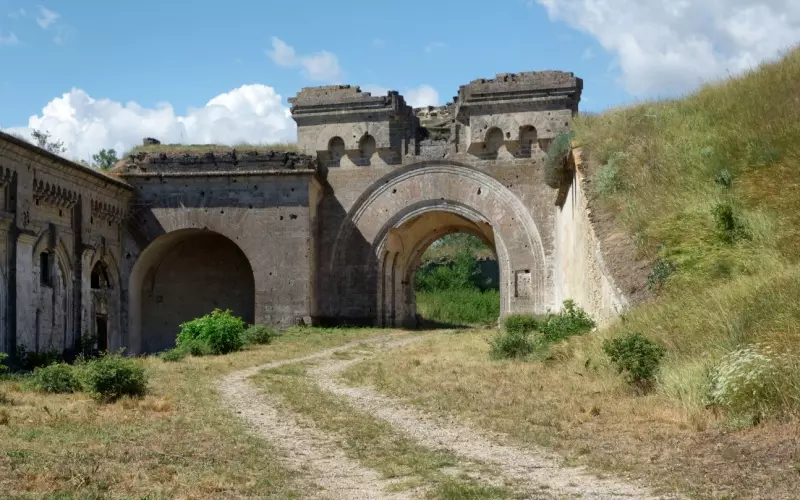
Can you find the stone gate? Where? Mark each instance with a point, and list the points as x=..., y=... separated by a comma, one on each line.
x=329, y=234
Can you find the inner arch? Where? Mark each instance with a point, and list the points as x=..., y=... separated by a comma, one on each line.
x=183, y=275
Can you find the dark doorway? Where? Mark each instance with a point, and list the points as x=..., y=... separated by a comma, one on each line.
x=101, y=328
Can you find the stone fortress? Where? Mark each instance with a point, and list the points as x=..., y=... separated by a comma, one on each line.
x=330, y=234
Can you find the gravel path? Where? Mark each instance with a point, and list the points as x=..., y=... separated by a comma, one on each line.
x=306, y=449
x=537, y=469
x=338, y=477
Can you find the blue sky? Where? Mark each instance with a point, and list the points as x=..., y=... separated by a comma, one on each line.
x=186, y=54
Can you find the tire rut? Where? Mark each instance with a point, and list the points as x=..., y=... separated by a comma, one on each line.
x=306, y=449
x=538, y=470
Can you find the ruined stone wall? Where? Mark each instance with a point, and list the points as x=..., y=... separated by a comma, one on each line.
x=59, y=220
x=261, y=205
x=581, y=272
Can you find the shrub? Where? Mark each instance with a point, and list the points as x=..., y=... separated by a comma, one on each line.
x=56, y=378
x=173, y=354
x=608, y=179
x=730, y=225
x=259, y=334
x=572, y=320
x=511, y=344
x=555, y=165
x=29, y=360
x=520, y=323
x=3, y=357
x=658, y=276
x=195, y=347
x=220, y=330
x=112, y=376
x=636, y=356
x=462, y=273
x=755, y=382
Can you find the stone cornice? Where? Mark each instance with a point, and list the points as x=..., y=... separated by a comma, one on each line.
x=107, y=211
x=52, y=194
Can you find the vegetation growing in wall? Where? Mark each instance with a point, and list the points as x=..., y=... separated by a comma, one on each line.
x=555, y=165
x=709, y=184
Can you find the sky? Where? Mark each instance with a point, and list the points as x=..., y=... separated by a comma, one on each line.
x=104, y=74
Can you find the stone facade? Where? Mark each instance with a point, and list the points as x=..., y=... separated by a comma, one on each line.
x=62, y=238
x=330, y=235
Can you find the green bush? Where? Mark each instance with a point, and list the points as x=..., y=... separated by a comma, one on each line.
x=462, y=273
x=555, y=165
x=259, y=334
x=572, y=320
x=658, y=276
x=520, y=323
x=636, y=356
x=220, y=330
x=56, y=378
x=112, y=376
x=29, y=360
x=176, y=354
x=731, y=226
x=607, y=180
x=196, y=347
x=3, y=357
x=511, y=344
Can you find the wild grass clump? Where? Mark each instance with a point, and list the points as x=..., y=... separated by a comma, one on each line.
x=58, y=378
x=756, y=382
x=511, y=345
x=555, y=165
x=259, y=335
x=459, y=307
x=113, y=376
x=172, y=355
x=635, y=356
x=220, y=331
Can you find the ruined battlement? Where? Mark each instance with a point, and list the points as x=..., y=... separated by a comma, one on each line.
x=516, y=88
x=206, y=160
x=319, y=102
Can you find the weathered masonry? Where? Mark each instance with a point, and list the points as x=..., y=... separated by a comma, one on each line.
x=331, y=234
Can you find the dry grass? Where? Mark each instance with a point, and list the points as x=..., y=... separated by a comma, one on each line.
x=374, y=443
x=176, y=442
x=195, y=149
x=577, y=405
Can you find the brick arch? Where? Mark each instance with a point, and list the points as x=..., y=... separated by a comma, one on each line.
x=438, y=188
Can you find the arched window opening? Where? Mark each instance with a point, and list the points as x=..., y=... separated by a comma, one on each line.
x=494, y=140
x=99, y=279
x=366, y=148
x=336, y=151
x=527, y=141
x=458, y=282
x=46, y=269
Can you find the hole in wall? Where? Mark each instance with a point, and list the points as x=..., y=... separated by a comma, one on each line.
x=479, y=191
x=281, y=217
x=394, y=191
x=292, y=216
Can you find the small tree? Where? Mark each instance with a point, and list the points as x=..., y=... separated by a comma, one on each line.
x=105, y=159
x=44, y=141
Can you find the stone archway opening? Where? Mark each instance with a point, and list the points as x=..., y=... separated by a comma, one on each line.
x=183, y=275
x=402, y=256
x=101, y=287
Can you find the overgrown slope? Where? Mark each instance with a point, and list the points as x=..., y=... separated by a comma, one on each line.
x=709, y=187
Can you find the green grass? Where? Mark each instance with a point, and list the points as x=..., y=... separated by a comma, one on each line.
x=179, y=440
x=664, y=168
x=374, y=443
x=460, y=306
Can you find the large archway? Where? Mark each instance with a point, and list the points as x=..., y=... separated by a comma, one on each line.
x=180, y=276
x=392, y=224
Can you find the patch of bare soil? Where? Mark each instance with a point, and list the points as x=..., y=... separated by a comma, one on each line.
x=537, y=469
x=306, y=449
x=620, y=255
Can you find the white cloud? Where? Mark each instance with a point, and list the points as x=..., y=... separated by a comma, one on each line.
x=422, y=96
x=8, y=40
x=670, y=47
x=18, y=14
x=46, y=17
x=375, y=90
x=252, y=114
x=433, y=46
x=319, y=66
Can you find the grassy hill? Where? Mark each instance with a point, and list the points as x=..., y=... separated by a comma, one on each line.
x=709, y=188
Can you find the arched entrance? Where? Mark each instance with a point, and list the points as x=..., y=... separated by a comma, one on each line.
x=392, y=224
x=180, y=276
